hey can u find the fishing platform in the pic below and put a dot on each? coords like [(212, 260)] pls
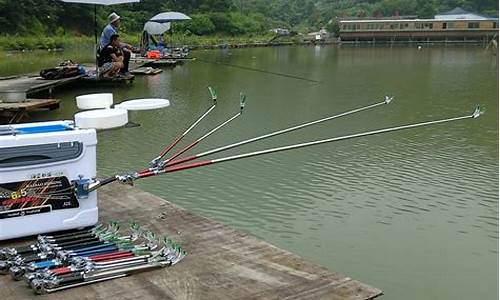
[(222, 263), (14, 112), (147, 62), (18, 88)]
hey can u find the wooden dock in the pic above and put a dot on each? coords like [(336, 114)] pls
[(146, 71), (222, 263), (18, 88), (147, 62), (14, 112)]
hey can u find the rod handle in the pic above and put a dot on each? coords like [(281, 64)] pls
[(26, 249), (72, 279), (61, 270), (78, 246)]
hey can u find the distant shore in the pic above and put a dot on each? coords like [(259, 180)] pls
[(58, 43), (10, 43)]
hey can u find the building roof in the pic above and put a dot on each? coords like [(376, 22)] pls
[(409, 20), (455, 11), (459, 13)]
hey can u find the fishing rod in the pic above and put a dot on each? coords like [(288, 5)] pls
[(259, 70), (169, 169), (386, 100), (242, 105), (169, 255), (155, 161), (83, 187), (86, 186), (48, 247), (125, 252)]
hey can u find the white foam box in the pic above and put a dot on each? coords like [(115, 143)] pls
[(39, 163)]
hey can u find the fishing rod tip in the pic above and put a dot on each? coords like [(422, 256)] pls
[(388, 99), (243, 98), (213, 93), (478, 112)]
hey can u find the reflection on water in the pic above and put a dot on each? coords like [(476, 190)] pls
[(413, 212)]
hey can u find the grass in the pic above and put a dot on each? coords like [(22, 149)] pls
[(9, 42)]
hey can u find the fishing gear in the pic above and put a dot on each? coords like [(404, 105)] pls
[(169, 169), (242, 105), (68, 268), (85, 186), (50, 247), (175, 163), (386, 100), (44, 250), (129, 178), (65, 278), (124, 252), (213, 93)]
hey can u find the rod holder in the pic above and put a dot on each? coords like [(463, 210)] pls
[(478, 111), (213, 93)]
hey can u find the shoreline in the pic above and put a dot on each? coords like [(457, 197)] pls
[(60, 43)]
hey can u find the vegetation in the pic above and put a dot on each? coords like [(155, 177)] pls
[(52, 23)]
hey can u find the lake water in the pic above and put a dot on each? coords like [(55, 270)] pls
[(414, 213)]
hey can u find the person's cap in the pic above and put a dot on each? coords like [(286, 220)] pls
[(113, 17), (113, 36)]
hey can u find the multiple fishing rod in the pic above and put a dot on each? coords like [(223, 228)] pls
[(156, 160), (176, 163), (86, 256)]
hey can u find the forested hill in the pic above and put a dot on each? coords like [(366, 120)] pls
[(232, 17)]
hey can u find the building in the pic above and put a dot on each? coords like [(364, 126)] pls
[(453, 25), (280, 31), (318, 36)]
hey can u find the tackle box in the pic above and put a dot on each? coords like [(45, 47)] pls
[(39, 164)]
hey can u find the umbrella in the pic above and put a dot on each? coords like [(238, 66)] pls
[(169, 16), (156, 28), (99, 2)]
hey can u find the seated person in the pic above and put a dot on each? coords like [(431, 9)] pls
[(111, 58), (108, 31)]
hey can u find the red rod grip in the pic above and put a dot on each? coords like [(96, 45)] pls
[(108, 254), (146, 174), (113, 257), (61, 271)]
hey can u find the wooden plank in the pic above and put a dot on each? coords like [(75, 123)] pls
[(14, 112), (222, 263), (146, 71), (142, 61), (28, 105), (30, 84)]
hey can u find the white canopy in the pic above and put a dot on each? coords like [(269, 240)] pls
[(156, 28), (169, 16)]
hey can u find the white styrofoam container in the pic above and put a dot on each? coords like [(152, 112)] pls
[(143, 104), (33, 158), (93, 101), (102, 118)]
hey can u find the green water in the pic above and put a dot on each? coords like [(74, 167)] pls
[(414, 213)]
